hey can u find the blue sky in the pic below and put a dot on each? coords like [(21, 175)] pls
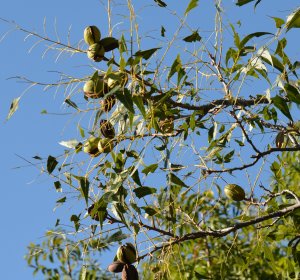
[(27, 198)]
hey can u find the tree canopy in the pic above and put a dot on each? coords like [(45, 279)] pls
[(186, 145)]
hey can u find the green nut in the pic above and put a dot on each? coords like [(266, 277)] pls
[(96, 52), (234, 192), (91, 35), (109, 43), (116, 267), (117, 79), (107, 129), (108, 103), (129, 273), (95, 88), (98, 213), (105, 145), (280, 140), (127, 253), (91, 146), (167, 125)]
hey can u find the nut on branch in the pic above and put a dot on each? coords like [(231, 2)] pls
[(127, 253), (105, 145), (116, 267), (129, 273), (234, 192), (107, 129), (95, 88), (91, 35), (108, 103), (96, 52), (91, 146)]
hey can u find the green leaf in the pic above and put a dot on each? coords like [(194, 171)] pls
[(292, 93), (57, 186), (293, 20), (231, 54), (193, 37), (136, 177), (280, 103), (118, 210), (177, 181), (99, 210), (278, 21), (243, 2), (161, 3), (37, 157), (193, 4), (252, 35), (117, 237), (138, 100), (81, 131), (162, 31), (75, 219), (176, 66), (201, 276), (147, 53), (51, 164), (274, 61), (143, 191), (71, 144), (13, 107), (132, 154), (149, 210), (84, 186), (126, 99), (236, 36), (71, 103), (83, 273), (61, 200), (122, 45), (150, 168)]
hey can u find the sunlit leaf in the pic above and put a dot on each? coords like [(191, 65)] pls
[(193, 4), (278, 21), (13, 107), (71, 144), (293, 20)]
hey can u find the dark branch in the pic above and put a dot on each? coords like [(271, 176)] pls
[(228, 230), (257, 158)]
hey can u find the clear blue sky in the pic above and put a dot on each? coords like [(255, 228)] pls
[(27, 199)]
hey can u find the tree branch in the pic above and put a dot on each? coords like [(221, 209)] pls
[(257, 158), (228, 230)]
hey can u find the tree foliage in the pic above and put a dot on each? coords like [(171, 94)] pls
[(161, 131)]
